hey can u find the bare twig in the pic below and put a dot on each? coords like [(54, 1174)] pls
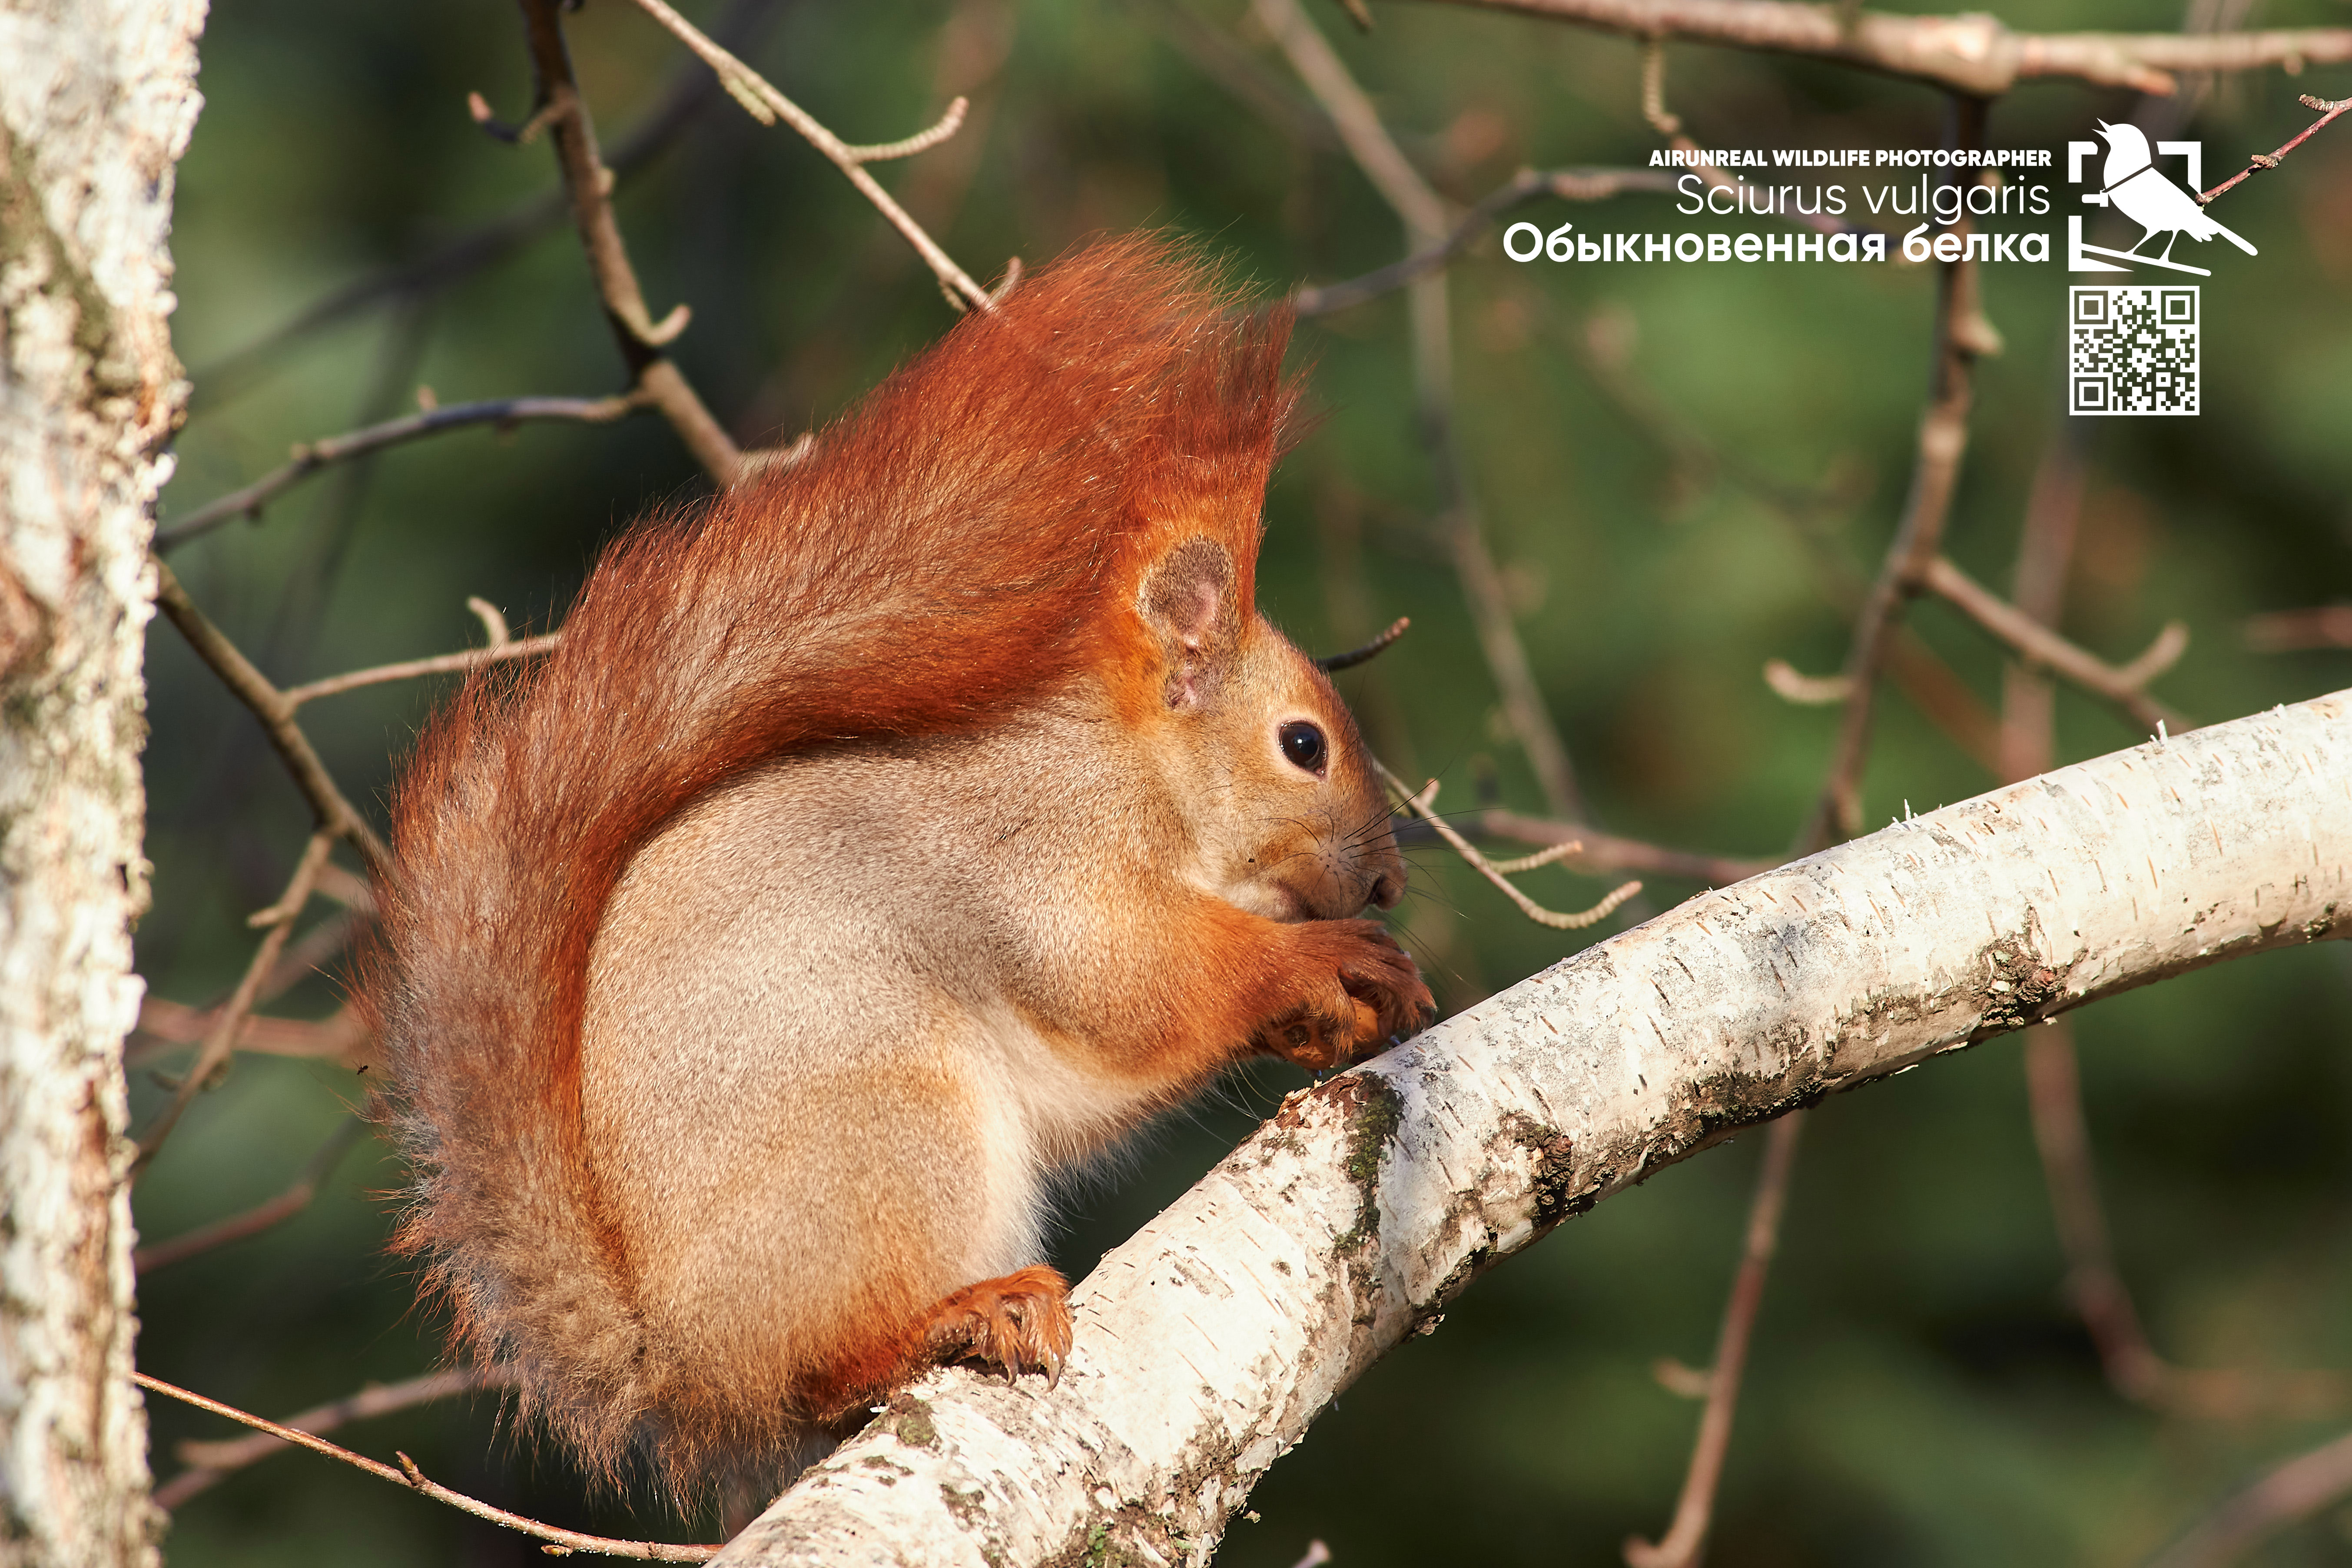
[(1960, 335), (1670, 126), (440, 664), (1599, 851), (761, 99), (688, 92), (1569, 184), (2285, 631), (2053, 1093), (1366, 139), (1918, 538), (1686, 1539), (1662, 120), (1369, 651), (1918, 672), (589, 185), (174, 1023), (923, 140), (1419, 804), (1791, 685), (335, 815), (2294, 1490), (1975, 53), (214, 1052), (1426, 225), (2124, 688), (2053, 1083), (409, 1476), (2052, 1076), (209, 1463), (2262, 161), (1214, 52), (261, 1217), (311, 456), (2046, 551)]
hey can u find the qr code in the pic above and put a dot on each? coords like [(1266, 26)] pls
[(2131, 350)]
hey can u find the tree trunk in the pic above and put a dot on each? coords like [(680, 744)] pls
[(97, 100), (1207, 1344)]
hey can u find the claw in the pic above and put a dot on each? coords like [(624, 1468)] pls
[(1015, 1324)]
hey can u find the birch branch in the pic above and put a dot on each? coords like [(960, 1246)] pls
[(1972, 53), (1208, 1342)]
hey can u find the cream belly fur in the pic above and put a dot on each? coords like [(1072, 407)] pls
[(816, 1055)]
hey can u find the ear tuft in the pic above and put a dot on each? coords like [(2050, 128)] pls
[(1188, 601)]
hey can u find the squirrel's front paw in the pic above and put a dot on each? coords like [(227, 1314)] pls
[(1369, 992), (1018, 1323)]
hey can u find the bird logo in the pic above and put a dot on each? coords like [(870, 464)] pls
[(2132, 185)]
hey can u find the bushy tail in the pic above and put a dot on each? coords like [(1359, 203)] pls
[(952, 548)]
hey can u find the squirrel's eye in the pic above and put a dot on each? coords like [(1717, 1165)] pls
[(1303, 743)]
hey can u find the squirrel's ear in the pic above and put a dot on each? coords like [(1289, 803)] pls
[(1187, 602)]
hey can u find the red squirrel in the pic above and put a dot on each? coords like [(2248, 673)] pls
[(887, 833)]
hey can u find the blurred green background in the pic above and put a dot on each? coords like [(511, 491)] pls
[(1919, 1392)]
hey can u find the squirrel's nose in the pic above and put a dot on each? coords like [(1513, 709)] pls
[(1387, 889)]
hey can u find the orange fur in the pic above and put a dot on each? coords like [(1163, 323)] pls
[(973, 536)]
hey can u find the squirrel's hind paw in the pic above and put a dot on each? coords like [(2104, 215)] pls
[(1019, 1323)]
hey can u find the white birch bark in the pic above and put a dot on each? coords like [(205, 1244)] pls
[(97, 100), (1209, 1341)]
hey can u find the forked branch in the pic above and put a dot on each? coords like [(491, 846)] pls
[(761, 99)]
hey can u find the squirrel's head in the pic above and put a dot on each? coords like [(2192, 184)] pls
[(1287, 818)]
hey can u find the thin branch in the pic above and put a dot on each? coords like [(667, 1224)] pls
[(214, 1052), (688, 92), (261, 1217), (2261, 161), (309, 456), (209, 1463), (409, 1476), (1960, 334), (1358, 123), (1426, 223), (923, 140), (1918, 538), (1564, 849), (1686, 1539), (440, 664), (1214, 52), (1569, 184), (1419, 804), (1918, 672), (1369, 651), (1601, 851), (1792, 684), (1670, 126), (1975, 53), (761, 99), (2036, 643), (171, 1025), (2286, 631), (2296, 1491), (2046, 551), (2052, 1075), (589, 185), (2096, 1285), (335, 815)]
